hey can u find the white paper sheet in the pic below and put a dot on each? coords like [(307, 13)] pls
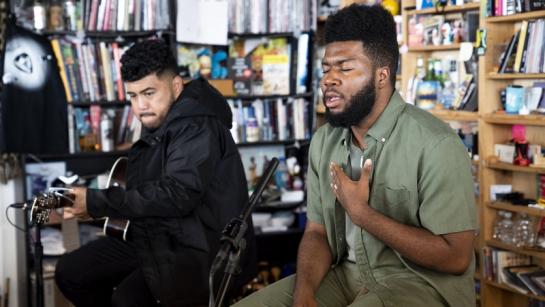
[(202, 22)]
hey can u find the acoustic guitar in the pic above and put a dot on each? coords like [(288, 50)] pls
[(117, 228), (55, 198)]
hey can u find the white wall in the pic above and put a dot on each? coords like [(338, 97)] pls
[(12, 245)]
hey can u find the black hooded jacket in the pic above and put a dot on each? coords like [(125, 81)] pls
[(185, 183)]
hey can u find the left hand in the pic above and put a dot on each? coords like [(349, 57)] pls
[(353, 195), (79, 209)]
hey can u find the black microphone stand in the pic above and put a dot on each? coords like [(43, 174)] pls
[(38, 250), (233, 242), (38, 264)]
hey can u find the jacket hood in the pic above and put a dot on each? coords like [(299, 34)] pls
[(199, 98)]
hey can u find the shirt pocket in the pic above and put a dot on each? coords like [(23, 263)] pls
[(392, 201)]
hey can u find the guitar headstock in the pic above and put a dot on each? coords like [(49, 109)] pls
[(44, 203)]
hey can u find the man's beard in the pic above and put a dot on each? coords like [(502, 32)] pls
[(359, 106)]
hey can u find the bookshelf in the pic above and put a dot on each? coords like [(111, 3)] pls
[(502, 166), (516, 17), (449, 115), (448, 47), (497, 76), (109, 34), (496, 128), (409, 57), (506, 119), (513, 291), (414, 49), (104, 103), (448, 9), (530, 252), (519, 209)]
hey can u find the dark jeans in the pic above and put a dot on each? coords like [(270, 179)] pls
[(103, 272)]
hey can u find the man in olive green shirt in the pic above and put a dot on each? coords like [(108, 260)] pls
[(391, 213)]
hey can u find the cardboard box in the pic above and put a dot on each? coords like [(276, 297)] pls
[(224, 86)]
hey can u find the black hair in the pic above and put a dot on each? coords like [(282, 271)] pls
[(374, 26), (147, 57)]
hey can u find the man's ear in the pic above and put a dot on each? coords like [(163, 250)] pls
[(178, 85), (383, 76)]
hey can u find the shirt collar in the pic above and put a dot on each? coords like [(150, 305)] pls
[(385, 124)]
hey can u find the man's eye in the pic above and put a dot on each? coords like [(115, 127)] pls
[(148, 94), (346, 69)]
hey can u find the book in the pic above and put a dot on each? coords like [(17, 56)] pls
[(526, 278), (506, 259), (507, 53), (106, 66), (66, 52), (249, 58), (527, 47), (521, 45), (469, 102), (55, 44), (281, 120), (92, 26), (512, 277), (123, 125), (119, 81), (276, 74), (100, 15), (71, 130), (302, 63), (539, 280)]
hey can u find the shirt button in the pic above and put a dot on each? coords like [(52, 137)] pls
[(383, 140)]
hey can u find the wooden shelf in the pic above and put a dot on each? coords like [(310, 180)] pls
[(267, 34), (529, 252), (455, 115), (507, 288), (265, 143), (517, 17), (497, 76), (254, 97), (109, 34), (81, 155), (509, 119), (515, 168), (449, 47), (519, 209), (448, 9), (102, 103)]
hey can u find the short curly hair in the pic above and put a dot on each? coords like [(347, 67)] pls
[(374, 26), (147, 57)]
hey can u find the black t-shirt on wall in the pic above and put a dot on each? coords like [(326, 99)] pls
[(33, 108)]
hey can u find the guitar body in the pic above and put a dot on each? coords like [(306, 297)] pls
[(117, 228)]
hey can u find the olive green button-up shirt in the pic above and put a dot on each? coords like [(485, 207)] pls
[(421, 177)]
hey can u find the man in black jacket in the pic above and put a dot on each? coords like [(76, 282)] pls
[(185, 182)]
